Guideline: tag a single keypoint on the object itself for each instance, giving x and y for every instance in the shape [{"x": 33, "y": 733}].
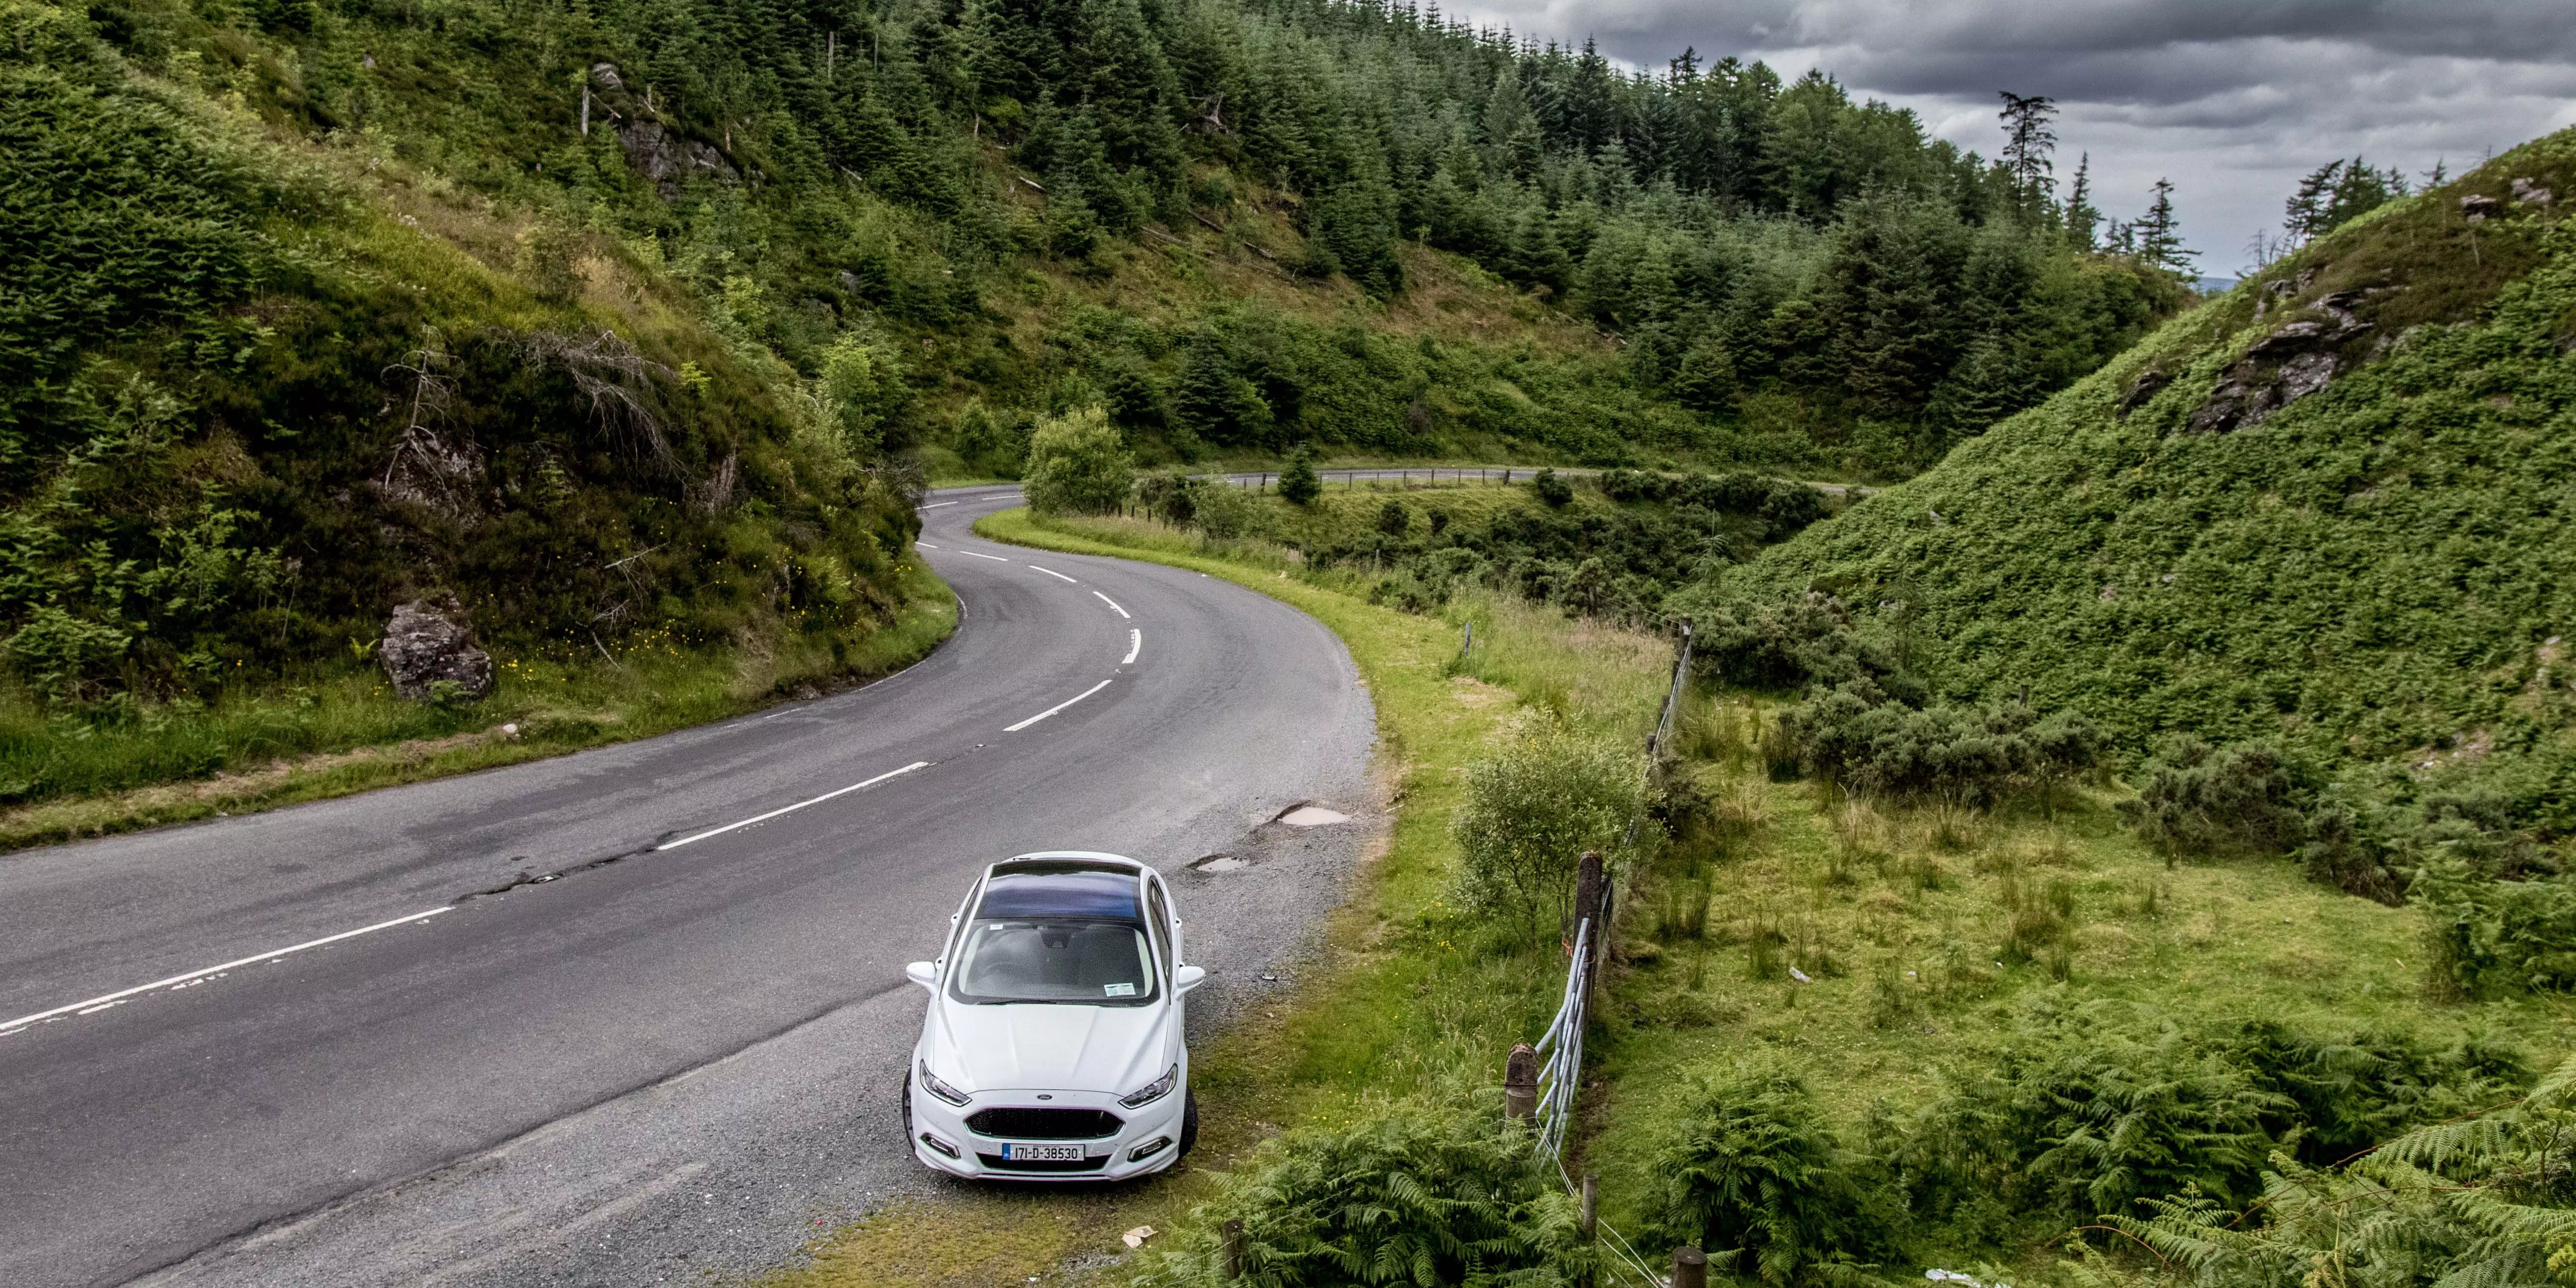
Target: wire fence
[{"x": 1558, "y": 1078}]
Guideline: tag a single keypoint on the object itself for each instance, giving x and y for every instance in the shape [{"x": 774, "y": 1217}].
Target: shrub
[
  {"x": 2490, "y": 938},
  {"x": 1549, "y": 488},
  {"x": 1533, "y": 807},
  {"x": 1078, "y": 465},
  {"x": 862, "y": 384},
  {"x": 1298, "y": 483},
  {"x": 1222, "y": 510},
  {"x": 2476, "y": 1201},
  {"x": 1786, "y": 643},
  {"x": 2245, "y": 798},
  {"x": 2086, "y": 1112},
  {"x": 1412, "y": 1195},
  {"x": 1393, "y": 519},
  {"x": 1878, "y": 747},
  {"x": 1752, "y": 1175}
]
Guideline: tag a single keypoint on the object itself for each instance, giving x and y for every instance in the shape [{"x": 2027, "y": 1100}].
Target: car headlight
[
  {"x": 1153, "y": 1091},
  {"x": 930, "y": 1082}
]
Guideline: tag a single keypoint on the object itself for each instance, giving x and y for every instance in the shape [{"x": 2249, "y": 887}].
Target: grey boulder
[{"x": 426, "y": 643}]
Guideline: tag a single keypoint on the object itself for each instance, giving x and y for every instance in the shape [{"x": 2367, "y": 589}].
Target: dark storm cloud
[{"x": 2233, "y": 99}]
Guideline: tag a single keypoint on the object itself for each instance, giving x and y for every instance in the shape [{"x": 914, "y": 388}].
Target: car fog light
[
  {"x": 944, "y": 1147},
  {"x": 1149, "y": 1148}
]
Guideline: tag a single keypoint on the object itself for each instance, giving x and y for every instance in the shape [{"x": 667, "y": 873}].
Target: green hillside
[{"x": 2333, "y": 512}]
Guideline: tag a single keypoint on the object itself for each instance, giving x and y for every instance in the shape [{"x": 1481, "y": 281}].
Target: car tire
[
  {"x": 906, "y": 1124},
  {"x": 1189, "y": 1124}
]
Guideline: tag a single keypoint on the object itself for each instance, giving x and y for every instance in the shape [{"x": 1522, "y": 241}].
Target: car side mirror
[
  {"x": 1188, "y": 977},
  {"x": 925, "y": 974}
]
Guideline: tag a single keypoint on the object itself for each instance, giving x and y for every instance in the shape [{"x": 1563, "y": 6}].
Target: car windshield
[{"x": 1054, "y": 959}]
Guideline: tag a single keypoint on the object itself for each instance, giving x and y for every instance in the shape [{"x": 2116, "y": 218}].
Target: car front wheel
[
  {"x": 1189, "y": 1122},
  {"x": 906, "y": 1124}
]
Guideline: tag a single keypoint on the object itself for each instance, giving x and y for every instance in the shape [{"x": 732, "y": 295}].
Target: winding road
[{"x": 637, "y": 1013}]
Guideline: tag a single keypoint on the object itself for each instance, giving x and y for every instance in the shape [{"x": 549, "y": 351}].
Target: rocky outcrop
[
  {"x": 2292, "y": 362},
  {"x": 654, "y": 148},
  {"x": 426, "y": 643},
  {"x": 665, "y": 157}
]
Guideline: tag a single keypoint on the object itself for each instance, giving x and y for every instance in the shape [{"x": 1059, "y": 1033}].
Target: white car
[{"x": 1052, "y": 1048}]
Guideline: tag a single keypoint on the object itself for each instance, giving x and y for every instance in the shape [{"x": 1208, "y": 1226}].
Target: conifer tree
[
  {"x": 2081, "y": 217},
  {"x": 2159, "y": 239},
  {"x": 2029, "y": 144}
]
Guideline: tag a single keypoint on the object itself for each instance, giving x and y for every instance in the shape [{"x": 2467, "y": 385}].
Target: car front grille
[
  {"x": 1004, "y": 1122},
  {"x": 998, "y": 1163}
]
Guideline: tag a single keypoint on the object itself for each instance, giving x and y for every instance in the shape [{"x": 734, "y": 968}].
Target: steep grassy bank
[
  {"x": 337, "y": 729},
  {"x": 2376, "y": 572}
]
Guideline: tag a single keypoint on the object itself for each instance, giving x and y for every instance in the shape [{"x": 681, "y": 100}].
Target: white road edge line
[
  {"x": 1135, "y": 645},
  {"x": 994, "y": 558},
  {"x": 1057, "y": 707},
  {"x": 790, "y": 809},
  {"x": 1057, "y": 575},
  {"x": 934, "y": 505},
  {"x": 1113, "y": 604},
  {"x": 271, "y": 955}
]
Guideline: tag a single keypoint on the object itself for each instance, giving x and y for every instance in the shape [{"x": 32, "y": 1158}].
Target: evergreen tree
[
  {"x": 2029, "y": 145},
  {"x": 2159, "y": 239},
  {"x": 1298, "y": 483},
  {"x": 2304, "y": 217},
  {"x": 2081, "y": 217}
]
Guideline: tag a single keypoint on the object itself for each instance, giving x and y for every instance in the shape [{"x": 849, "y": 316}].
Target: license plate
[{"x": 1042, "y": 1153}]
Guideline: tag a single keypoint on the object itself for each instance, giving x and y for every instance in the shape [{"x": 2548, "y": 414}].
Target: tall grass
[{"x": 338, "y": 727}]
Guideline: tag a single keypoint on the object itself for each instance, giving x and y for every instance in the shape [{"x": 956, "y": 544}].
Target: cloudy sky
[{"x": 2231, "y": 99}]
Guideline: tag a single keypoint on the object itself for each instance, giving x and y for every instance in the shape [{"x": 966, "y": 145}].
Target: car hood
[{"x": 1049, "y": 1047}]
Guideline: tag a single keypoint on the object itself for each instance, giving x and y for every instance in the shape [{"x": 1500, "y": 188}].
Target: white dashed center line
[
  {"x": 1135, "y": 645},
  {"x": 790, "y": 809},
  {"x": 1113, "y": 604},
  {"x": 88, "y": 1006},
  {"x": 994, "y": 558},
  {"x": 925, "y": 545},
  {"x": 1057, "y": 707},
  {"x": 1057, "y": 575},
  {"x": 934, "y": 505}
]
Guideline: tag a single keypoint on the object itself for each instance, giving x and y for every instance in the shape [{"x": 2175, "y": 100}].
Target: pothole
[
  {"x": 1313, "y": 816},
  {"x": 1218, "y": 863}
]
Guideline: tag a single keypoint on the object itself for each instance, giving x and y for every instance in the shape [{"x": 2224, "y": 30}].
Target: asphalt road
[{"x": 574, "y": 1057}]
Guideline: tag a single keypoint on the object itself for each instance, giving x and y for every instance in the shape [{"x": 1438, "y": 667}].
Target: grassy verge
[
  {"x": 1928, "y": 934},
  {"x": 343, "y": 731},
  {"x": 1402, "y": 1001}
]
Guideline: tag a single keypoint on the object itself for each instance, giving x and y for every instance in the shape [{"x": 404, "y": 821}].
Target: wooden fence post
[
  {"x": 1520, "y": 1084},
  {"x": 1690, "y": 1267},
  {"x": 1233, "y": 1250},
  {"x": 1592, "y": 899}
]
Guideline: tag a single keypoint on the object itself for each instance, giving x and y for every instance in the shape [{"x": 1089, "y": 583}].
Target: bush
[
  {"x": 2490, "y": 938},
  {"x": 2090, "y": 1110},
  {"x": 2246, "y": 798},
  {"x": 1879, "y": 747},
  {"x": 1297, "y": 483},
  {"x": 1222, "y": 510},
  {"x": 1555, "y": 491},
  {"x": 1393, "y": 519},
  {"x": 1753, "y": 1177},
  {"x": 1533, "y": 807},
  {"x": 1413, "y": 1195},
  {"x": 1078, "y": 465}
]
